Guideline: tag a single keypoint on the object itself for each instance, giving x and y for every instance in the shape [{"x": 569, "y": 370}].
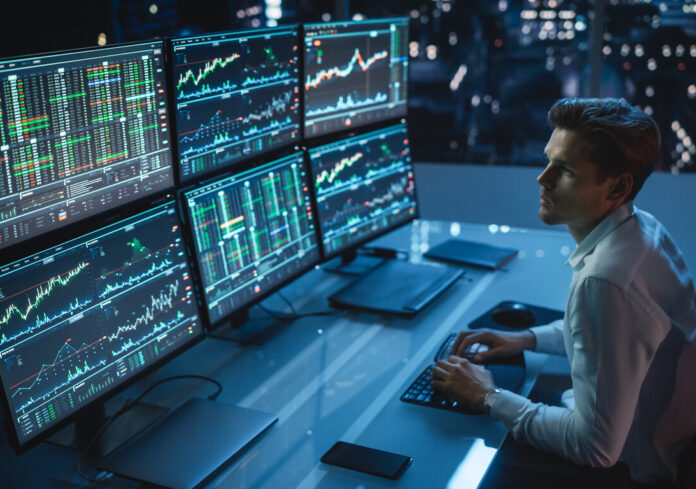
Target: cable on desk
[
  {"x": 287, "y": 301},
  {"x": 283, "y": 316},
  {"x": 127, "y": 405}
]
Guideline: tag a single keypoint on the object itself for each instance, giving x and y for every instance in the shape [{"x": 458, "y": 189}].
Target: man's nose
[{"x": 545, "y": 179}]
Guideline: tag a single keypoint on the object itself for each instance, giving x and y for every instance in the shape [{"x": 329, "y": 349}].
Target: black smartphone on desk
[{"x": 367, "y": 460}]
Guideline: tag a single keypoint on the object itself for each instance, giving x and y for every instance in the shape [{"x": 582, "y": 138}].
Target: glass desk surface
[{"x": 339, "y": 377}]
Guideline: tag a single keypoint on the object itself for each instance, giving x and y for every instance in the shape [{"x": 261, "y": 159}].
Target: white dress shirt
[{"x": 629, "y": 333}]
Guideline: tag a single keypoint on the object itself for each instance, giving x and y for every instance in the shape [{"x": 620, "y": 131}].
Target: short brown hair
[{"x": 620, "y": 138}]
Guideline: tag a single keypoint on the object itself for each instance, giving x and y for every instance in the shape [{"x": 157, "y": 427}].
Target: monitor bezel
[
  {"x": 361, "y": 126},
  {"x": 73, "y": 229},
  {"x": 171, "y": 100},
  {"x": 359, "y": 243},
  {"x": 106, "y": 395},
  {"x": 249, "y": 166}
]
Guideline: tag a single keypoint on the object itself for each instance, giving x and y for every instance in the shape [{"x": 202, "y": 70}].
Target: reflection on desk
[{"x": 340, "y": 377}]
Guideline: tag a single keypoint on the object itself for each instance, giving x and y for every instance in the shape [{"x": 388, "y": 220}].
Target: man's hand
[
  {"x": 463, "y": 381},
  {"x": 500, "y": 344}
]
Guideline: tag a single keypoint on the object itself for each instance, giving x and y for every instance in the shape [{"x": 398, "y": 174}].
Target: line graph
[
  {"x": 86, "y": 315},
  {"x": 237, "y": 118},
  {"x": 208, "y": 68},
  {"x": 157, "y": 304},
  {"x": 346, "y": 211},
  {"x": 136, "y": 279},
  {"x": 348, "y": 104},
  {"x": 363, "y": 185},
  {"x": 157, "y": 329},
  {"x": 330, "y": 175},
  {"x": 65, "y": 353},
  {"x": 43, "y": 290},
  {"x": 323, "y": 75},
  {"x": 353, "y": 75},
  {"x": 44, "y": 320},
  {"x": 231, "y": 110}
]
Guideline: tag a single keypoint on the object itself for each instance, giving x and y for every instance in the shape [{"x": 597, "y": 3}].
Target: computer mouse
[{"x": 513, "y": 315}]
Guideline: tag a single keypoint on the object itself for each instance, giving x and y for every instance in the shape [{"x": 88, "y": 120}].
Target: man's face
[{"x": 572, "y": 192}]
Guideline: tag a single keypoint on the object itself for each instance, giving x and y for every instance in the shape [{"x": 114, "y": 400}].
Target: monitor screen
[
  {"x": 364, "y": 186},
  {"x": 237, "y": 95},
  {"x": 253, "y": 231},
  {"x": 80, "y": 319},
  {"x": 80, "y": 133},
  {"x": 355, "y": 74}
]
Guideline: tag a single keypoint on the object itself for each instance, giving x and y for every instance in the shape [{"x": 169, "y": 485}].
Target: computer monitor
[
  {"x": 82, "y": 132},
  {"x": 237, "y": 95},
  {"x": 253, "y": 232},
  {"x": 355, "y": 73},
  {"x": 83, "y": 319},
  {"x": 364, "y": 187}
]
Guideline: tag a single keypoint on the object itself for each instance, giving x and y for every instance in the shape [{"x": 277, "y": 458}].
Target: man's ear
[{"x": 623, "y": 184}]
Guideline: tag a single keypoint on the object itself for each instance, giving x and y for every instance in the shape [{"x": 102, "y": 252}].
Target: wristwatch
[{"x": 489, "y": 399}]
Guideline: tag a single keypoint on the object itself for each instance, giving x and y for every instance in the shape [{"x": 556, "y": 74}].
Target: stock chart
[
  {"x": 236, "y": 95},
  {"x": 80, "y": 133},
  {"x": 364, "y": 186},
  {"x": 355, "y": 74},
  {"x": 252, "y": 232},
  {"x": 81, "y": 318}
]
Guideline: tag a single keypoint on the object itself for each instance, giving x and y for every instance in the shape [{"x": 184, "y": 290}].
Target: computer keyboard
[
  {"x": 421, "y": 392},
  {"x": 509, "y": 374},
  {"x": 445, "y": 349}
]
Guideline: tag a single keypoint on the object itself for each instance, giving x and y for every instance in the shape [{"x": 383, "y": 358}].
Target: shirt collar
[{"x": 600, "y": 231}]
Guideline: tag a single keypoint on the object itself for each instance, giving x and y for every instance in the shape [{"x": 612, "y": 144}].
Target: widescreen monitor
[
  {"x": 237, "y": 96},
  {"x": 253, "y": 232},
  {"x": 355, "y": 73},
  {"x": 84, "y": 318},
  {"x": 81, "y": 132},
  {"x": 364, "y": 186}
]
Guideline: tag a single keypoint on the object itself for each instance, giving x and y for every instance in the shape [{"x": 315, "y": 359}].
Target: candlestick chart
[
  {"x": 252, "y": 232},
  {"x": 364, "y": 185}
]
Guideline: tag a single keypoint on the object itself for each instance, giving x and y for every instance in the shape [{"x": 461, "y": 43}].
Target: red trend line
[
  {"x": 357, "y": 58},
  {"x": 104, "y": 275},
  {"x": 37, "y": 285},
  {"x": 207, "y": 69},
  {"x": 46, "y": 367}
]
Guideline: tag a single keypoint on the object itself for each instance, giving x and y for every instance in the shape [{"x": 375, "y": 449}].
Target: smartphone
[{"x": 368, "y": 460}]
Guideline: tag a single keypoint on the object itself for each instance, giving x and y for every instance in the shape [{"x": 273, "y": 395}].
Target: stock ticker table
[{"x": 339, "y": 377}]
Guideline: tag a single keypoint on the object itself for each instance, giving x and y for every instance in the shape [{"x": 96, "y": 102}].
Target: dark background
[{"x": 483, "y": 74}]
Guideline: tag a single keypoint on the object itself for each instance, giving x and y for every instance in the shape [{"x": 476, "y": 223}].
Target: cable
[
  {"x": 281, "y": 316},
  {"x": 285, "y": 299},
  {"x": 284, "y": 317},
  {"x": 127, "y": 405}
]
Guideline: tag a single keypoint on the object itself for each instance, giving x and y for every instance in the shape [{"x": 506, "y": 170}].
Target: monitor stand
[
  {"x": 352, "y": 263},
  {"x": 79, "y": 434},
  {"x": 241, "y": 330}
]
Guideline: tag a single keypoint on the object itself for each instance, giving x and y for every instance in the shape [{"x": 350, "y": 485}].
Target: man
[{"x": 630, "y": 320}]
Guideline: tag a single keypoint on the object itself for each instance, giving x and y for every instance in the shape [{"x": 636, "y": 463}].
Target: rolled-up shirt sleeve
[{"x": 613, "y": 343}]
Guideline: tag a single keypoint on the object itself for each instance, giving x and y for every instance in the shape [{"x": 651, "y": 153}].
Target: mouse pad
[{"x": 542, "y": 315}]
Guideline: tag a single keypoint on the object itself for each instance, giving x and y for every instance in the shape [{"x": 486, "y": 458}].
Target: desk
[{"x": 340, "y": 377}]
